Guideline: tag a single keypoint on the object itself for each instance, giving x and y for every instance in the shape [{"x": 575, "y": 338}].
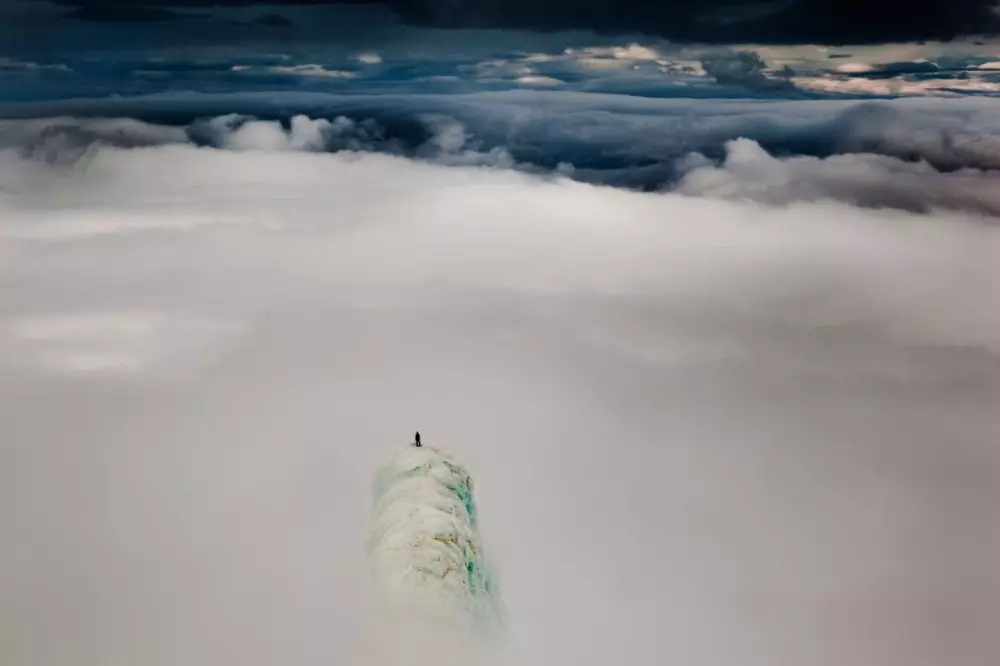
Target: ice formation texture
[{"x": 425, "y": 549}]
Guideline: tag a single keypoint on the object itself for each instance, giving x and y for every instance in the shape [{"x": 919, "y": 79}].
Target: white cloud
[
  {"x": 541, "y": 57},
  {"x": 452, "y": 144},
  {"x": 895, "y": 85},
  {"x": 369, "y": 58},
  {"x": 680, "y": 401},
  {"x": 498, "y": 69},
  {"x": 631, "y": 52},
  {"x": 535, "y": 80},
  {"x": 132, "y": 343},
  {"x": 854, "y": 67},
  {"x": 598, "y": 59},
  {"x": 635, "y": 52},
  {"x": 62, "y": 225},
  {"x": 749, "y": 172},
  {"x": 313, "y": 70},
  {"x": 814, "y": 58},
  {"x": 304, "y": 133}
]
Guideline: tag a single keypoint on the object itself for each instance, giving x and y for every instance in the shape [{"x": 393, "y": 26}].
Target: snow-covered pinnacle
[{"x": 425, "y": 550}]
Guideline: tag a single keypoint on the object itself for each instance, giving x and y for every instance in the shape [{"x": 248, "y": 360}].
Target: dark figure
[{"x": 417, "y": 439}]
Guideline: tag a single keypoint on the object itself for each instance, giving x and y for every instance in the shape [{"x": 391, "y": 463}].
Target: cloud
[
  {"x": 630, "y": 52},
  {"x": 324, "y": 43},
  {"x": 709, "y": 398},
  {"x": 240, "y": 133},
  {"x": 301, "y": 133},
  {"x": 895, "y": 86},
  {"x": 750, "y": 173},
  {"x": 499, "y": 69},
  {"x": 450, "y": 143},
  {"x": 543, "y": 81},
  {"x": 616, "y": 140},
  {"x": 110, "y": 343},
  {"x": 853, "y": 67},
  {"x": 910, "y": 132},
  {"x": 369, "y": 59},
  {"x": 743, "y": 68},
  {"x": 63, "y": 140},
  {"x": 312, "y": 70},
  {"x": 9, "y": 64}
]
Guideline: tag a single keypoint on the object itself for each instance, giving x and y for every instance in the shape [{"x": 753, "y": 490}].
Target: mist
[{"x": 702, "y": 430}]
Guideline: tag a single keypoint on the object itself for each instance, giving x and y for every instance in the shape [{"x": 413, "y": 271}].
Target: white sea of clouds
[{"x": 704, "y": 430}]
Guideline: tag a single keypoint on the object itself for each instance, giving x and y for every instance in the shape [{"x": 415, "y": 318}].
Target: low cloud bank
[
  {"x": 911, "y": 156},
  {"x": 704, "y": 430}
]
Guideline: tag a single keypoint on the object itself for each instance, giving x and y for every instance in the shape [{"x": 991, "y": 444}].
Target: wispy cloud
[
  {"x": 23, "y": 65},
  {"x": 313, "y": 70}
]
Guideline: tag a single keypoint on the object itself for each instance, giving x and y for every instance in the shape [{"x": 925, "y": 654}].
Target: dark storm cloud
[
  {"x": 719, "y": 21},
  {"x": 367, "y": 49}
]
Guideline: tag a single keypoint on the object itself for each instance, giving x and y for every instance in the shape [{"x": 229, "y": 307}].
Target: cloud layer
[
  {"x": 914, "y": 155},
  {"x": 107, "y": 48},
  {"x": 765, "y": 434}
]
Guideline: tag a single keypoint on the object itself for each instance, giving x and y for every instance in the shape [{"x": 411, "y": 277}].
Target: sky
[
  {"x": 668, "y": 49},
  {"x": 701, "y": 295}
]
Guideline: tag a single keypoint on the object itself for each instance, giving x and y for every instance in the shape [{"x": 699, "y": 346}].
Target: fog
[{"x": 702, "y": 431}]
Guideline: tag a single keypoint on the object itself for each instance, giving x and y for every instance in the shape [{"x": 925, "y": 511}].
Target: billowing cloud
[
  {"x": 750, "y": 173},
  {"x": 303, "y": 133},
  {"x": 933, "y": 152}
]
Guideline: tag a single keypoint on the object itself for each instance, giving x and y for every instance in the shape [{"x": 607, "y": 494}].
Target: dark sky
[{"x": 769, "y": 21}]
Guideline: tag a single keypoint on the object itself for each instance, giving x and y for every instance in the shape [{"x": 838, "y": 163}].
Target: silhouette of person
[{"x": 417, "y": 439}]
